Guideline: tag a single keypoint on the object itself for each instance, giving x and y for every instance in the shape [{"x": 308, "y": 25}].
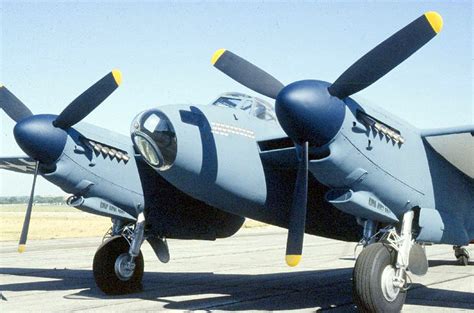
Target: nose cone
[
  {"x": 39, "y": 139},
  {"x": 307, "y": 112}
]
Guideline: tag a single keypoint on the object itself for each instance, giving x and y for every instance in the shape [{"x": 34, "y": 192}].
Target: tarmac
[{"x": 244, "y": 272}]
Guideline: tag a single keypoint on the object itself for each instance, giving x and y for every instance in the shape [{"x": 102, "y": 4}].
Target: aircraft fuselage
[{"x": 220, "y": 161}]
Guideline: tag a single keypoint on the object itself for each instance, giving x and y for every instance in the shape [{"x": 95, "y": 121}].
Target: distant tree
[{"x": 37, "y": 199}]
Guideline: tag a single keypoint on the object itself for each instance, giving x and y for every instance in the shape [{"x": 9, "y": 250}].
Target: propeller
[
  {"x": 29, "y": 208},
  {"x": 312, "y": 112},
  {"x": 13, "y": 106},
  {"x": 44, "y": 136},
  {"x": 80, "y": 107},
  {"x": 297, "y": 214},
  {"x": 246, "y": 73},
  {"x": 387, "y": 55}
]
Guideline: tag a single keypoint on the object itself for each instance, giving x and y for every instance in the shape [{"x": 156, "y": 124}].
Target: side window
[
  {"x": 246, "y": 104},
  {"x": 261, "y": 112}
]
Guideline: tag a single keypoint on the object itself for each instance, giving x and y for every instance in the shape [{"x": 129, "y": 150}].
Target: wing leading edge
[
  {"x": 24, "y": 165},
  {"x": 455, "y": 144}
]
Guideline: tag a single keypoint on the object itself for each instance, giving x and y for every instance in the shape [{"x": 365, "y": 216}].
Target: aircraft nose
[
  {"x": 307, "y": 112},
  {"x": 39, "y": 139}
]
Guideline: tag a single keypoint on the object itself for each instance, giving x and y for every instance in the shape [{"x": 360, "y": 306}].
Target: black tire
[
  {"x": 104, "y": 268},
  {"x": 367, "y": 280}
]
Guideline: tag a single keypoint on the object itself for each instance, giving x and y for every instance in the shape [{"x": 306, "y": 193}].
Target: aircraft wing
[
  {"x": 455, "y": 144},
  {"x": 24, "y": 164}
]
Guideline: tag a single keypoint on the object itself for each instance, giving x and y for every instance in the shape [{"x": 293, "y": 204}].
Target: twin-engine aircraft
[{"x": 317, "y": 162}]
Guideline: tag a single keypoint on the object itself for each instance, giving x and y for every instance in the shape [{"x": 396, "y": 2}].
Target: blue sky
[{"x": 52, "y": 51}]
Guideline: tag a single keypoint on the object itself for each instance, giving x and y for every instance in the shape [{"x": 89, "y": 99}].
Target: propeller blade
[
  {"x": 26, "y": 223},
  {"x": 387, "y": 55},
  {"x": 88, "y": 100},
  {"x": 14, "y": 108},
  {"x": 246, "y": 73},
  {"x": 297, "y": 215}
]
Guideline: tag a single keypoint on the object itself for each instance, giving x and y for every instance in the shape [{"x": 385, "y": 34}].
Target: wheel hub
[
  {"x": 389, "y": 290},
  {"x": 124, "y": 267}
]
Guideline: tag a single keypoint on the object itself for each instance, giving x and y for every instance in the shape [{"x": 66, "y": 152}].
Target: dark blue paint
[
  {"x": 84, "y": 104},
  {"x": 38, "y": 138},
  {"x": 383, "y": 58},
  {"x": 210, "y": 162},
  {"x": 307, "y": 112}
]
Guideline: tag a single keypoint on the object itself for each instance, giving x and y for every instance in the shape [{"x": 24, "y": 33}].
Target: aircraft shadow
[
  {"x": 434, "y": 263},
  {"x": 325, "y": 289}
]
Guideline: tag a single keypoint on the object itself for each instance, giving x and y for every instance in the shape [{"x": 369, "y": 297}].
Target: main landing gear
[
  {"x": 380, "y": 277},
  {"x": 118, "y": 263},
  {"x": 115, "y": 272}
]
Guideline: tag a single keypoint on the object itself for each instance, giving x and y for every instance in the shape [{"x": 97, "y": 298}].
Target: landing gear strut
[
  {"x": 118, "y": 263},
  {"x": 462, "y": 255},
  {"x": 379, "y": 277}
]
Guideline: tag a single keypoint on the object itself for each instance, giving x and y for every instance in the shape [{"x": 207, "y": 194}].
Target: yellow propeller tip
[
  {"x": 117, "y": 76},
  {"x": 217, "y": 55},
  {"x": 435, "y": 20},
  {"x": 21, "y": 248},
  {"x": 293, "y": 259}
]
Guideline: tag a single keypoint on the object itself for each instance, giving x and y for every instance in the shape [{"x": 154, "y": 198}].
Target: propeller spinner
[{"x": 311, "y": 112}]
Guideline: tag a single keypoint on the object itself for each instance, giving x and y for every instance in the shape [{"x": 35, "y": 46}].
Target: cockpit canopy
[{"x": 254, "y": 106}]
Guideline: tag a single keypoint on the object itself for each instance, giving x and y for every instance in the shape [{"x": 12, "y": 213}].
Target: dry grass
[
  {"x": 252, "y": 224},
  {"x": 50, "y": 222}
]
